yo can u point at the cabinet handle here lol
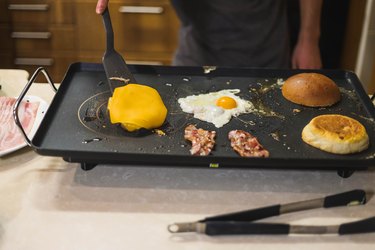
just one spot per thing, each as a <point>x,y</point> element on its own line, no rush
<point>28,7</point>
<point>34,61</point>
<point>31,35</point>
<point>141,9</point>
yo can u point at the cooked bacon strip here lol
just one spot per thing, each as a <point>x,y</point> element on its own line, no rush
<point>10,136</point>
<point>246,144</point>
<point>202,140</point>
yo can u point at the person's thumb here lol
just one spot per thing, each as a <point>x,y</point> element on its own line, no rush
<point>100,6</point>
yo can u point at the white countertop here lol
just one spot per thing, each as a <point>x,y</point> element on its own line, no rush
<point>46,203</point>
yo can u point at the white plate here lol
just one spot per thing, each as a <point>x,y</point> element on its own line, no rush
<point>43,106</point>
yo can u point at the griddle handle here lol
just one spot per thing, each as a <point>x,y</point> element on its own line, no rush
<point>22,95</point>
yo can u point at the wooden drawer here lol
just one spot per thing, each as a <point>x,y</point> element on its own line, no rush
<point>4,18</point>
<point>139,26</point>
<point>6,61</point>
<point>149,58</point>
<point>37,40</point>
<point>6,42</point>
<point>40,13</point>
<point>56,65</point>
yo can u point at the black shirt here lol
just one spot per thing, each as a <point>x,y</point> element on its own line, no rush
<point>240,33</point>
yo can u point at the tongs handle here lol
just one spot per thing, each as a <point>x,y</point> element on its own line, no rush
<point>241,222</point>
<point>22,95</point>
<point>236,228</point>
<point>354,197</point>
<point>362,226</point>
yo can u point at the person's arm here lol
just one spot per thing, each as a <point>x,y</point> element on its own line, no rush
<point>101,5</point>
<point>306,54</point>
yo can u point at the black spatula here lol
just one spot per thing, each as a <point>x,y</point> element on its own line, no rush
<point>115,66</point>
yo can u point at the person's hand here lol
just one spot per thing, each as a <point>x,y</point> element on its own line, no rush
<point>100,6</point>
<point>306,55</point>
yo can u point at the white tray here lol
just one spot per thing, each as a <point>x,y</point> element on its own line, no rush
<point>43,106</point>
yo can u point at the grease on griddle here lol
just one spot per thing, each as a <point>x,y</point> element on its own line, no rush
<point>276,135</point>
<point>90,115</point>
<point>350,93</point>
<point>159,132</point>
<point>96,139</point>
<point>371,120</point>
<point>353,96</point>
<point>161,148</point>
<point>100,115</point>
<point>260,91</point>
<point>295,111</point>
<point>261,109</point>
<point>251,123</point>
<point>208,69</point>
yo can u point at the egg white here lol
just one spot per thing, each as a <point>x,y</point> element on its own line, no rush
<point>204,107</point>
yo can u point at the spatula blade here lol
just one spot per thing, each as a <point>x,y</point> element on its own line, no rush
<point>115,66</point>
<point>116,70</point>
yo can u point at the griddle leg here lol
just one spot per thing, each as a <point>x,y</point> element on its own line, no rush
<point>345,173</point>
<point>87,166</point>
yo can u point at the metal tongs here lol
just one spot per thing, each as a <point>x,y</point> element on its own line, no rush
<point>242,222</point>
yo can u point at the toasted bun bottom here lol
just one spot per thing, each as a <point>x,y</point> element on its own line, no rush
<point>336,134</point>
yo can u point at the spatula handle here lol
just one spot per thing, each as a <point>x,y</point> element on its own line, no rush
<point>353,197</point>
<point>108,29</point>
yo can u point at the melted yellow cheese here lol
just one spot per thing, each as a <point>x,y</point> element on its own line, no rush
<point>137,106</point>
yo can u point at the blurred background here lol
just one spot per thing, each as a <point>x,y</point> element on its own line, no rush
<point>57,33</point>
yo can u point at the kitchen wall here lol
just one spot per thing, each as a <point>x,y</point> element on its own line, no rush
<point>365,67</point>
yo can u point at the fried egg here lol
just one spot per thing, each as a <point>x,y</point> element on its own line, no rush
<point>216,107</point>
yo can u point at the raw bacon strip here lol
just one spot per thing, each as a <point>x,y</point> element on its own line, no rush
<point>10,136</point>
<point>246,144</point>
<point>202,140</point>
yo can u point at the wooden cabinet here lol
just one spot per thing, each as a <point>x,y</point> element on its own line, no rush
<point>145,31</point>
<point>6,47</point>
<point>41,33</point>
<point>57,33</point>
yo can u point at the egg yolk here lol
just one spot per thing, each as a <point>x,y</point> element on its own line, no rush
<point>226,102</point>
<point>136,106</point>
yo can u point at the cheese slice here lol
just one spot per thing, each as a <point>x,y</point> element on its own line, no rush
<point>137,106</point>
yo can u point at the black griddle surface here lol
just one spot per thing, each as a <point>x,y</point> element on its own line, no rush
<point>76,126</point>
